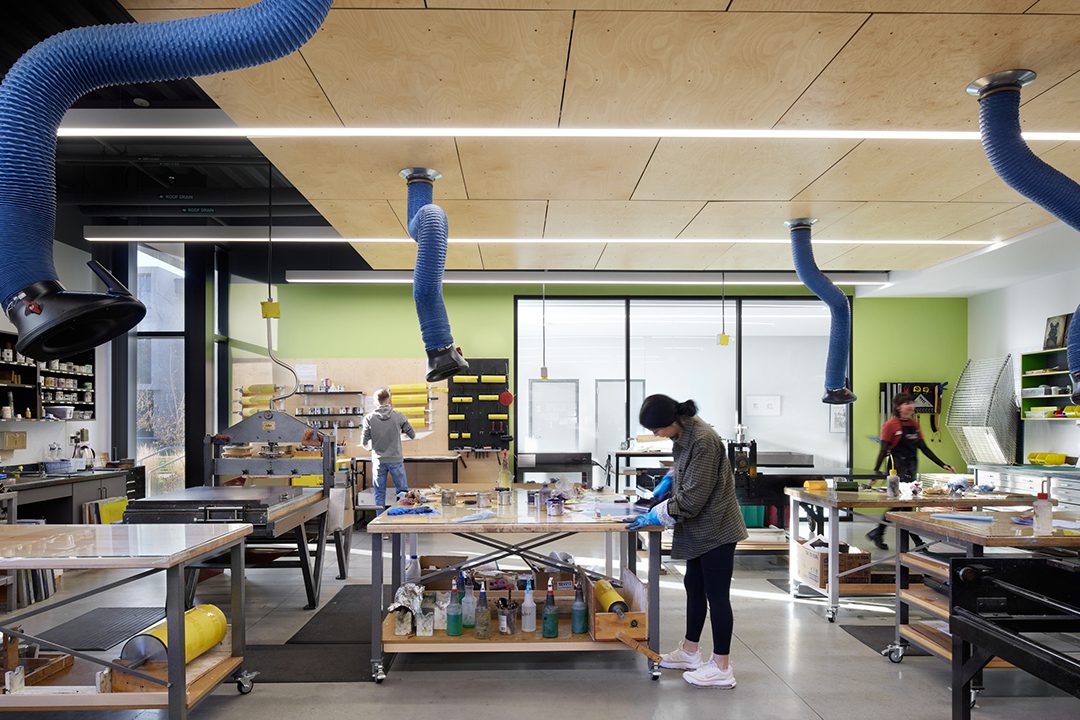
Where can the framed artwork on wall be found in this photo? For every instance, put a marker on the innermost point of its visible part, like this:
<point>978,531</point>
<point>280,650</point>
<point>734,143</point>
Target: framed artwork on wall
<point>1057,328</point>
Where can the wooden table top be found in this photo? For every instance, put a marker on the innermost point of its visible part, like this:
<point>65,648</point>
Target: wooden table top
<point>74,547</point>
<point>1002,532</point>
<point>872,499</point>
<point>419,458</point>
<point>575,518</point>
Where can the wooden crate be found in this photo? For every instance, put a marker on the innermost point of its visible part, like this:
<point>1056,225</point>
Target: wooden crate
<point>606,626</point>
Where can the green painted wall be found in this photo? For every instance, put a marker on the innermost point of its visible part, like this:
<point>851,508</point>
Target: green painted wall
<point>898,339</point>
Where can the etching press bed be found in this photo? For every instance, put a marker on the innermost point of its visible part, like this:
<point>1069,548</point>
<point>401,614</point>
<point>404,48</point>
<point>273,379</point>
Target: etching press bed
<point>280,514</point>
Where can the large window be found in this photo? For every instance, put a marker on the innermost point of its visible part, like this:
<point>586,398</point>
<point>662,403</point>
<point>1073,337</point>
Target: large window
<point>159,402</point>
<point>767,373</point>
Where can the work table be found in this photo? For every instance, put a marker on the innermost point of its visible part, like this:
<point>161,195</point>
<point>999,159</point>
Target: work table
<point>35,482</point>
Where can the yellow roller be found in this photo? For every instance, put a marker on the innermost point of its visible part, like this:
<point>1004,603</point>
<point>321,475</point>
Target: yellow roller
<point>204,627</point>
<point>454,436</point>
<point>420,399</point>
<point>465,379</point>
<point>466,436</point>
<point>455,417</point>
<point>409,388</point>
<point>261,389</point>
<point>498,416</point>
<point>492,378</point>
<point>461,399</point>
<point>249,411</point>
<point>411,412</point>
<point>488,398</point>
<point>253,400</point>
<point>418,423</point>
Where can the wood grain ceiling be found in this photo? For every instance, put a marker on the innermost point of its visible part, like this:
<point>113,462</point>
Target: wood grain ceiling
<point>789,64</point>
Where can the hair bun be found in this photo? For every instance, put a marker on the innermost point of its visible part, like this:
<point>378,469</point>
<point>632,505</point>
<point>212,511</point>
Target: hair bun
<point>686,409</point>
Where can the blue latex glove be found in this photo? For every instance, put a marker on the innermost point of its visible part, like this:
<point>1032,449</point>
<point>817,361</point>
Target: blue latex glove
<point>418,510</point>
<point>657,516</point>
<point>663,488</point>
<point>481,515</point>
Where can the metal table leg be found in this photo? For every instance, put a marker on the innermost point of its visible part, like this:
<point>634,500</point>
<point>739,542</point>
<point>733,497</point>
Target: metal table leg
<point>631,551</point>
<point>793,544</point>
<point>378,671</point>
<point>175,652</point>
<point>654,598</point>
<point>395,561</point>
<point>834,564</point>
<point>608,543</point>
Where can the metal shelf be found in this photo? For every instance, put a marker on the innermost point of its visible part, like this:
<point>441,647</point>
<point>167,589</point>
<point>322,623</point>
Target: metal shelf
<point>66,372</point>
<point>17,385</point>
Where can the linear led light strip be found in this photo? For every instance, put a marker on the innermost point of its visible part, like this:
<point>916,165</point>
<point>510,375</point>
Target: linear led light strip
<point>523,132</point>
<point>494,277</point>
<point>522,241</point>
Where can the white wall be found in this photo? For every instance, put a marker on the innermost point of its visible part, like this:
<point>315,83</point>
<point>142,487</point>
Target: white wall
<point>1013,320</point>
<point>75,275</point>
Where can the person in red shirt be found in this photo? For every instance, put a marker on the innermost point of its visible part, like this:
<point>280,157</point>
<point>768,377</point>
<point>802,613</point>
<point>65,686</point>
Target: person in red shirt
<point>902,439</point>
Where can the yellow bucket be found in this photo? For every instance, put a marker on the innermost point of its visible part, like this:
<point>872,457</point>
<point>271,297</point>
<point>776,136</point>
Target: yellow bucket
<point>204,627</point>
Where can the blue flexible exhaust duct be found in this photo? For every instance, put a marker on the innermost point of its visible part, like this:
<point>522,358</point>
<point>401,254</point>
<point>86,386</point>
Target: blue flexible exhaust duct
<point>37,91</point>
<point>1024,172</point>
<point>802,253</point>
<point>428,226</point>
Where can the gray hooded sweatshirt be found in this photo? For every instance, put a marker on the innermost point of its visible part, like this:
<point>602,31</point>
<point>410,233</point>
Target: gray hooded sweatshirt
<point>382,429</point>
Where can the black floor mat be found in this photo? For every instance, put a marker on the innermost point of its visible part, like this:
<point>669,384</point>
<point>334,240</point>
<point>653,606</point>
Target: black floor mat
<point>103,628</point>
<point>344,620</point>
<point>303,663</point>
<point>877,637</point>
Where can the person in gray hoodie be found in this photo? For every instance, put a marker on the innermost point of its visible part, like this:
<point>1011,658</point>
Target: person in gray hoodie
<point>382,433</point>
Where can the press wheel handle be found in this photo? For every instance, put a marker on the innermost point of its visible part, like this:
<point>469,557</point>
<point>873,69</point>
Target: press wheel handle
<point>235,513</point>
<point>639,647</point>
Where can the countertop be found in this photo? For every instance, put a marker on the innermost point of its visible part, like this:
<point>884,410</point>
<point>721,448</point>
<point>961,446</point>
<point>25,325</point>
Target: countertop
<point>33,482</point>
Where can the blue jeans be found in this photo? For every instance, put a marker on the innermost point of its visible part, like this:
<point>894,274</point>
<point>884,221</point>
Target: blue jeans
<point>397,472</point>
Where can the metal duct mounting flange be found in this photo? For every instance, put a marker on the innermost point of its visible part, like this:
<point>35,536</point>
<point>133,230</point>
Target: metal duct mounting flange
<point>1023,171</point>
<point>802,254</point>
<point>428,225</point>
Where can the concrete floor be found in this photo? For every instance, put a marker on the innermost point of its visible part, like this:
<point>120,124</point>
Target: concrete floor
<point>789,662</point>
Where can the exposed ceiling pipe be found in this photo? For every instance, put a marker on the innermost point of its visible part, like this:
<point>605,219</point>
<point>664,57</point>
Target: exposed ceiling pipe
<point>802,253</point>
<point>1024,172</point>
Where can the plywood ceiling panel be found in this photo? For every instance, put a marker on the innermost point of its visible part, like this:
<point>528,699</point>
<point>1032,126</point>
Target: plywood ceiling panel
<point>897,170</point>
<point>910,71</point>
<point>895,257</point>
<point>1057,7</point>
<point>442,67</point>
<point>711,169</point>
<point>1064,157</point>
<point>909,220</point>
<point>618,219</point>
<point>545,168</point>
<point>581,4</point>
<point>362,168</point>
<point>1053,110</point>
<point>488,218</point>
<point>762,220</point>
<point>650,256</point>
<point>229,4</point>
<point>536,256</point>
<point>382,256</point>
<point>1008,224</point>
<point>880,6</point>
<point>361,218</point>
<point>745,256</point>
<point>695,69</point>
<point>253,96</point>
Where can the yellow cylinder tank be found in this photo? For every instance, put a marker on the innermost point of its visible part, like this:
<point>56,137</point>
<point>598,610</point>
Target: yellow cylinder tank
<point>204,627</point>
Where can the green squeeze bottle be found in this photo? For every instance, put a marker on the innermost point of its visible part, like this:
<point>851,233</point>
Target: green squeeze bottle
<point>483,615</point>
<point>551,613</point>
<point>453,612</point>
<point>579,613</point>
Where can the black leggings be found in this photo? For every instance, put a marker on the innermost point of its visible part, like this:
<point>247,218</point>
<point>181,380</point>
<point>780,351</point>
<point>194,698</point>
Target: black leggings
<point>708,578</point>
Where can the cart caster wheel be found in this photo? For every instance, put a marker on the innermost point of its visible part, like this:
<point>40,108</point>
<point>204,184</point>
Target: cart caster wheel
<point>830,615</point>
<point>655,675</point>
<point>974,697</point>
<point>896,655</point>
<point>379,679</point>
<point>378,673</point>
<point>244,686</point>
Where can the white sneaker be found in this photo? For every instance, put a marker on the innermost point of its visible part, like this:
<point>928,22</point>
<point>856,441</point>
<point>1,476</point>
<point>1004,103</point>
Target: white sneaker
<point>709,675</point>
<point>681,659</point>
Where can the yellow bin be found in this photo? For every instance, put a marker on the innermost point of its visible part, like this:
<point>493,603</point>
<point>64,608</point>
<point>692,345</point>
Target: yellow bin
<point>204,627</point>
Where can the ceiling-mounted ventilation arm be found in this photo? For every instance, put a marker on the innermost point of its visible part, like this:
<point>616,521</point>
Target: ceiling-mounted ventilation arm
<point>39,89</point>
<point>802,253</point>
<point>1023,171</point>
<point>428,226</point>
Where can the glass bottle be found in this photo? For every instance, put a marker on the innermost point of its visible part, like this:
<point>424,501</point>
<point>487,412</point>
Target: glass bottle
<point>453,612</point>
<point>483,615</point>
<point>528,609</point>
<point>468,606</point>
<point>579,613</point>
<point>551,613</point>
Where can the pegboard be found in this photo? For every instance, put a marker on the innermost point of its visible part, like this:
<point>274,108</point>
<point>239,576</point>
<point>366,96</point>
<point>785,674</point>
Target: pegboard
<point>468,422</point>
